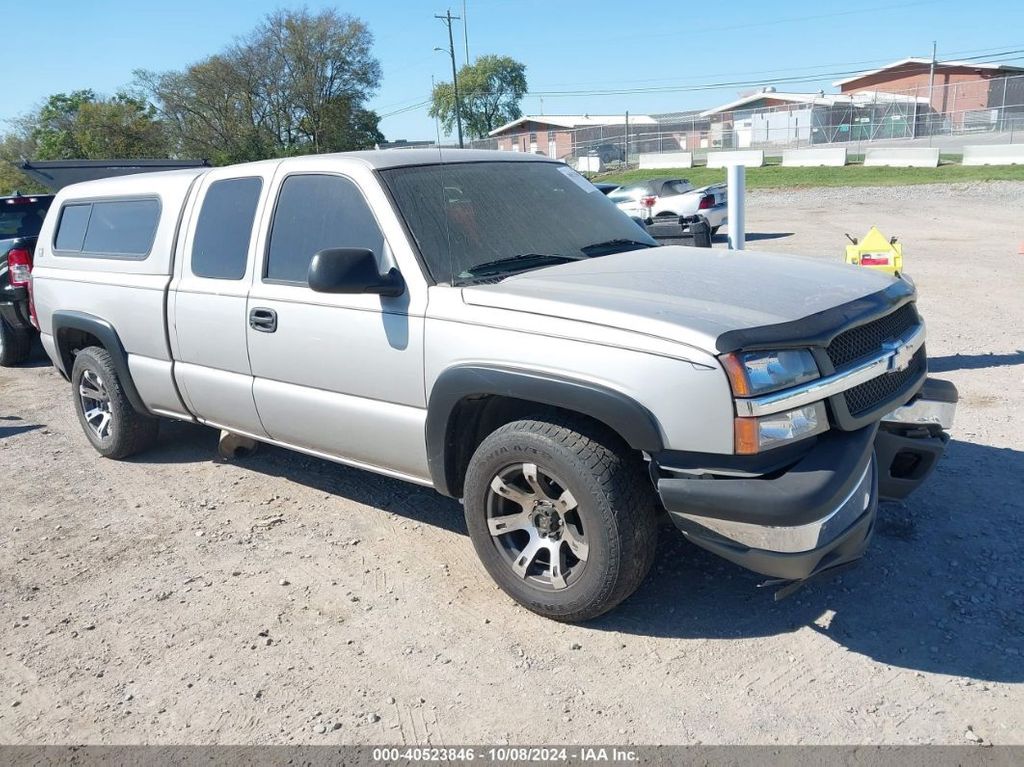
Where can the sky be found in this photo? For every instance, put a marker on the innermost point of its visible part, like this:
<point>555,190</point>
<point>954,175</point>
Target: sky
<point>656,56</point>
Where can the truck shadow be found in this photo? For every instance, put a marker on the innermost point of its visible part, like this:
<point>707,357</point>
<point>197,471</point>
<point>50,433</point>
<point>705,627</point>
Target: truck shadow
<point>183,443</point>
<point>21,428</point>
<point>941,588</point>
<point>974,361</point>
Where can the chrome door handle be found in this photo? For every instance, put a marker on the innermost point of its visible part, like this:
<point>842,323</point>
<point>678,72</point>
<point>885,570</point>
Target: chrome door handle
<point>263,320</point>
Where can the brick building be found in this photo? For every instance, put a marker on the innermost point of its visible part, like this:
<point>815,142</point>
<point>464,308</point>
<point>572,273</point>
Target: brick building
<point>562,136</point>
<point>960,88</point>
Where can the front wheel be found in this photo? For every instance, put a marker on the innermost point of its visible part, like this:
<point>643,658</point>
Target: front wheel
<point>110,422</point>
<point>562,515</point>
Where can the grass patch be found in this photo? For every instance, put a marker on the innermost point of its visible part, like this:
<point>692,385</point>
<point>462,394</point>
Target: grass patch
<point>777,177</point>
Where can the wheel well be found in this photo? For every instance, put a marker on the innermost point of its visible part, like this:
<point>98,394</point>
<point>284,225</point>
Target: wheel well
<point>70,341</point>
<point>475,417</point>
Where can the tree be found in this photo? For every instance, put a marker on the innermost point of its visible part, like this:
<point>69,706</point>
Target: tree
<point>53,126</point>
<point>490,90</point>
<point>15,147</point>
<point>296,84</point>
<point>79,125</point>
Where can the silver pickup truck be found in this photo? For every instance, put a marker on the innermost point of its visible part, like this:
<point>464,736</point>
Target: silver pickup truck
<point>490,325</point>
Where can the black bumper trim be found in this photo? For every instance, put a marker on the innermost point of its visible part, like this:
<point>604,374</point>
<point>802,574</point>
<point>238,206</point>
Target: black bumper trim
<point>905,460</point>
<point>811,489</point>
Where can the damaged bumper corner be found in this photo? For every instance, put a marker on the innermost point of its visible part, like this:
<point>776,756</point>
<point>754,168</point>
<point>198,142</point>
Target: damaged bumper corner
<point>819,513</point>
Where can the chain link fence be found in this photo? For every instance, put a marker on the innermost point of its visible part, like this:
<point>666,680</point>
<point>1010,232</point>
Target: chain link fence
<point>946,116</point>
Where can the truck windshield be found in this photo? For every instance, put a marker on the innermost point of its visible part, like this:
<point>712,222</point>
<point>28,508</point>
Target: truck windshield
<point>485,220</point>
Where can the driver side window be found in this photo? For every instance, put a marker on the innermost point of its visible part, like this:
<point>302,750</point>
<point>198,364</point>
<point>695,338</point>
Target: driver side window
<point>317,211</point>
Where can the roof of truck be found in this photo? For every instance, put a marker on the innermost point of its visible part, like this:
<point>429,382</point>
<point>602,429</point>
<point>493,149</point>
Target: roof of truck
<point>376,159</point>
<point>395,158</point>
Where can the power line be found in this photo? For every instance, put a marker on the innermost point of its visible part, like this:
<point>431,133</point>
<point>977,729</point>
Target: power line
<point>732,83</point>
<point>1010,55</point>
<point>986,51</point>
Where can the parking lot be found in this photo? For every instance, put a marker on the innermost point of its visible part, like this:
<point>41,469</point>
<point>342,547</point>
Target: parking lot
<point>179,598</point>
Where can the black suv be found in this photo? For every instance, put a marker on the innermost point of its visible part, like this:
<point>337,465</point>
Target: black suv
<point>21,216</point>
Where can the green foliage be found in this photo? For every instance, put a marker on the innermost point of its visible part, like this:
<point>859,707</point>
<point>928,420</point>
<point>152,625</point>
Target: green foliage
<point>490,91</point>
<point>14,148</point>
<point>81,125</point>
<point>54,125</point>
<point>295,85</point>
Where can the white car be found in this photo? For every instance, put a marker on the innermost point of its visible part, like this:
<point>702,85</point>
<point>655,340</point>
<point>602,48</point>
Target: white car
<point>672,197</point>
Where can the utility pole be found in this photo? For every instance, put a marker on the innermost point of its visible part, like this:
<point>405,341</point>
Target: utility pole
<point>447,19</point>
<point>625,142</point>
<point>465,30</point>
<point>931,76</point>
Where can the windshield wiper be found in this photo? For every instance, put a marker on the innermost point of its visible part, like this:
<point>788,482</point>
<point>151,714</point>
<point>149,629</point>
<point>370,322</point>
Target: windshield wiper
<point>617,245</point>
<point>517,262</point>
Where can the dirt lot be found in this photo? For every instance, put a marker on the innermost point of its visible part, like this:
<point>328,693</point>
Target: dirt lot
<point>178,598</point>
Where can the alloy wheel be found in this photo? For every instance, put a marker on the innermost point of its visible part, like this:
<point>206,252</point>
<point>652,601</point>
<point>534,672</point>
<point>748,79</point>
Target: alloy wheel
<point>95,402</point>
<point>535,524</point>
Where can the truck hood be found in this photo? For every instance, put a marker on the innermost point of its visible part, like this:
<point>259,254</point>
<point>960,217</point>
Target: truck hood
<point>689,295</point>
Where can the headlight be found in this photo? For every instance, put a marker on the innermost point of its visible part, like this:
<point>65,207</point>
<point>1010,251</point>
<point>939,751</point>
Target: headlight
<point>753,373</point>
<point>756,434</point>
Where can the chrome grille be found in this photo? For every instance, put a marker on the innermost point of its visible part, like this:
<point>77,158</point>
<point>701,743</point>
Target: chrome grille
<point>871,394</point>
<point>866,340</point>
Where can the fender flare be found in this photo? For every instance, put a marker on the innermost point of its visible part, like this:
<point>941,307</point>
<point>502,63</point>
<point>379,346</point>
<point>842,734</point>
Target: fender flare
<point>628,418</point>
<point>64,320</point>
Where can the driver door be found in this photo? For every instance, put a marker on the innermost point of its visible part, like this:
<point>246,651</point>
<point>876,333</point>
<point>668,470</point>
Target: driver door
<point>336,375</point>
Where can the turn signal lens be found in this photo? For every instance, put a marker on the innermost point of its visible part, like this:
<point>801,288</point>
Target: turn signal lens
<point>737,375</point>
<point>746,436</point>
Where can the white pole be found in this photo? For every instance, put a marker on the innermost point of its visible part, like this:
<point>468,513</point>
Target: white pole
<point>737,175</point>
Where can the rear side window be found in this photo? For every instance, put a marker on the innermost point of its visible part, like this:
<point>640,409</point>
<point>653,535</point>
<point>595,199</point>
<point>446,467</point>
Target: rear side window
<point>112,228</point>
<point>315,212</point>
<point>221,244</point>
<point>71,229</point>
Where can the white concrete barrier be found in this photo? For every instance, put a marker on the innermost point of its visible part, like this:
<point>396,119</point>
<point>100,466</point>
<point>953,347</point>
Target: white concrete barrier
<point>752,158</point>
<point>994,154</point>
<point>902,157</point>
<point>814,158</point>
<point>666,160</point>
<point>589,164</point>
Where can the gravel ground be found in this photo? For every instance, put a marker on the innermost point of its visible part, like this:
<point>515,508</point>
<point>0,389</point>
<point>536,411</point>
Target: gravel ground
<point>178,598</point>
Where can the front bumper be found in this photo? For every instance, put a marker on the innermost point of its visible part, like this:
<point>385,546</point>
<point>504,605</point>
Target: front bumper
<point>818,513</point>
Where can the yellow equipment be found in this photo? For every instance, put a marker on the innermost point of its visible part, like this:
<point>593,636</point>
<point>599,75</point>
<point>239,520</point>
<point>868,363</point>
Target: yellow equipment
<point>876,252</point>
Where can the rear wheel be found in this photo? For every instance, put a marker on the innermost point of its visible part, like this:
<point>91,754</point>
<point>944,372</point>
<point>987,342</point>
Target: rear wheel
<point>15,344</point>
<point>714,230</point>
<point>110,422</point>
<point>562,516</point>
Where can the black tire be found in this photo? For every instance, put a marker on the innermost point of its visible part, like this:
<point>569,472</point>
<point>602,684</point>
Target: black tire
<point>614,509</point>
<point>714,230</point>
<point>127,431</point>
<point>15,344</point>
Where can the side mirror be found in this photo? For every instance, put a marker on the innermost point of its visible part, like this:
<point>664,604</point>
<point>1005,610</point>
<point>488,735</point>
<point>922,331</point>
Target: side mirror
<point>352,270</point>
